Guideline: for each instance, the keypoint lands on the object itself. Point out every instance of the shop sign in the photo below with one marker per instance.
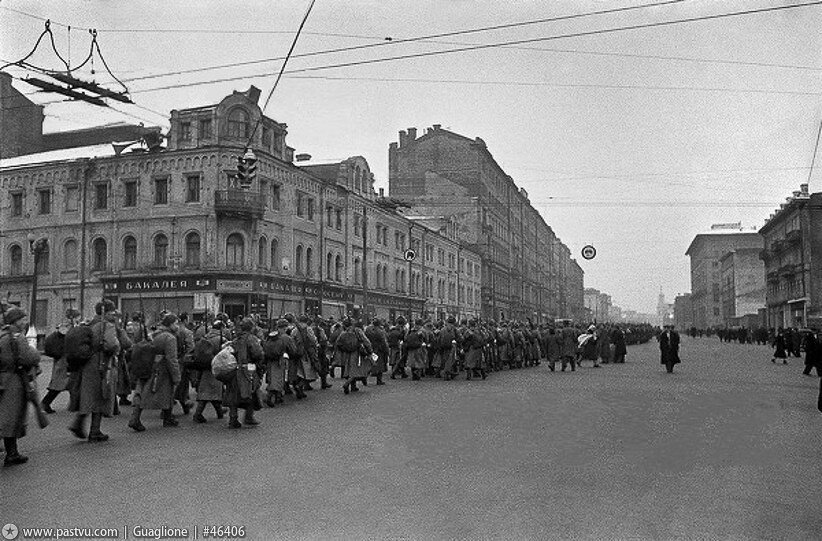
(234, 285)
(159, 283)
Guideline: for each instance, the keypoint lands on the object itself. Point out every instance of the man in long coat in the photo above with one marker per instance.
(568, 351)
(379, 344)
(18, 362)
(278, 349)
(158, 392)
(669, 348)
(241, 391)
(209, 388)
(94, 386)
(396, 336)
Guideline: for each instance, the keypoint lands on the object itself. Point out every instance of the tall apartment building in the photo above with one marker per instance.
(170, 228)
(792, 256)
(528, 271)
(742, 286)
(706, 252)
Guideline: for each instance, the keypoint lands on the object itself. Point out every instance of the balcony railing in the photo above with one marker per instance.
(794, 236)
(239, 204)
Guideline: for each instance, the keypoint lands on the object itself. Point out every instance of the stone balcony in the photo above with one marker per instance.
(235, 203)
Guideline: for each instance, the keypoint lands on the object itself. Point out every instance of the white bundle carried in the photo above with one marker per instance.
(224, 365)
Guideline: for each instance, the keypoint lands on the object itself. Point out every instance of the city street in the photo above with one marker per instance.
(725, 447)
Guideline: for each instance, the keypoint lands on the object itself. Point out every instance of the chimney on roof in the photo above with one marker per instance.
(797, 193)
(403, 138)
(412, 134)
(253, 94)
(437, 127)
(804, 189)
(382, 192)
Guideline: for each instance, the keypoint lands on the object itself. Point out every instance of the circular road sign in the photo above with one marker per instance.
(589, 252)
(410, 255)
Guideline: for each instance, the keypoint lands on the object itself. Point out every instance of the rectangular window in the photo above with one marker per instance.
(161, 191)
(72, 198)
(205, 128)
(17, 204)
(192, 188)
(44, 201)
(357, 225)
(299, 205)
(101, 196)
(130, 199)
(329, 216)
(310, 209)
(185, 131)
(339, 220)
(267, 138)
(397, 240)
(275, 197)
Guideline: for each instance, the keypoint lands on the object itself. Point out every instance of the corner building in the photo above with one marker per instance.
(170, 228)
(528, 271)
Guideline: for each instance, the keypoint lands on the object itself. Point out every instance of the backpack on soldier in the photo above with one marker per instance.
(78, 347)
(142, 360)
(413, 340)
(348, 342)
(54, 345)
(204, 352)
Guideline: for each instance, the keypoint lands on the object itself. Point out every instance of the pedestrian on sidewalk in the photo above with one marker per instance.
(779, 347)
(813, 354)
(669, 348)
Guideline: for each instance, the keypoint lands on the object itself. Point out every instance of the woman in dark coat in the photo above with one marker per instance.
(669, 348)
(18, 360)
(779, 347)
(241, 391)
(620, 350)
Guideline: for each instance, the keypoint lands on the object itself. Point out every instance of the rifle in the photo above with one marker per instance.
(29, 384)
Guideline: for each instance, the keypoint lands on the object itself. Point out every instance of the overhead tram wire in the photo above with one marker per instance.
(428, 37)
(492, 45)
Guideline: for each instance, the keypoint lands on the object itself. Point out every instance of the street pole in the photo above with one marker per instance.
(36, 247)
(88, 171)
(364, 263)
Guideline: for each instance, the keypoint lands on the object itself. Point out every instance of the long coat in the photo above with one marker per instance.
(551, 345)
(473, 342)
(13, 399)
(618, 338)
(94, 387)
(358, 364)
(157, 392)
(276, 366)
(59, 371)
(669, 348)
(207, 386)
(241, 391)
(417, 357)
(379, 344)
(569, 342)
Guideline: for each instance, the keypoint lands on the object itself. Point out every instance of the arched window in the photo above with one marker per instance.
(357, 271)
(298, 257)
(43, 261)
(99, 251)
(16, 260)
(338, 266)
(309, 261)
(235, 250)
(193, 249)
(275, 250)
(70, 255)
(262, 252)
(329, 270)
(129, 253)
(160, 251)
(238, 123)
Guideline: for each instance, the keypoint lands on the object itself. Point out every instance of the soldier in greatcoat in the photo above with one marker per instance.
(473, 343)
(415, 345)
(59, 382)
(569, 336)
(396, 337)
(357, 362)
(18, 363)
(277, 349)
(209, 388)
(94, 387)
(158, 391)
(379, 344)
(448, 346)
(241, 391)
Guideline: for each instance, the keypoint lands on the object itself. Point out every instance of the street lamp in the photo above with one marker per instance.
(36, 247)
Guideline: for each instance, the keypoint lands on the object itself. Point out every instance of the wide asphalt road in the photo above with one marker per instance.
(727, 447)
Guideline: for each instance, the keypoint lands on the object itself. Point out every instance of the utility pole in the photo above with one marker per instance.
(364, 263)
(88, 172)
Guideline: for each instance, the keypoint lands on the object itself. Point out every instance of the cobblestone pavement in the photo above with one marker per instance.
(725, 447)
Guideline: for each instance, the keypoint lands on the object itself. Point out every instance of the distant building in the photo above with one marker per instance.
(742, 286)
(598, 304)
(706, 250)
(683, 312)
(793, 261)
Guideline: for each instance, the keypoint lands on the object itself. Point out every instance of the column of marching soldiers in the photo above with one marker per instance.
(106, 363)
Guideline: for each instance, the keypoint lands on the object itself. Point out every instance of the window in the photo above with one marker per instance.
(205, 128)
(357, 270)
(160, 251)
(338, 268)
(193, 249)
(379, 276)
(185, 131)
(17, 204)
(234, 250)
(130, 199)
(310, 209)
(397, 244)
(101, 196)
(16, 260)
(298, 257)
(357, 225)
(70, 254)
(129, 253)
(161, 191)
(385, 276)
(99, 251)
(43, 261)
(329, 216)
(299, 205)
(262, 252)
(339, 220)
(72, 198)
(329, 272)
(267, 138)
(275, 196)
(192, 188)
(451, 261)
(238, 123)
(309, 261)
(275, 260)
(44, 201)
(397, 281)
(441, 256)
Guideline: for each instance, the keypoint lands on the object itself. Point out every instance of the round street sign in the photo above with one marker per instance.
(589, 252)
(410, 255)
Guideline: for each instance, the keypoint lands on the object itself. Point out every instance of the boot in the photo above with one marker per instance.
(299, 392)
(13, 456)
(379, 380)
(186, 405)
(346, 387)
(307, 385)
(94, 433)
(482, 373)
(77, 428)
(48, 399)
(354, 388)
(169, 420)
(198, 413)
(124, 401)
(218, 408)
(232, 418)
(287, 389)
(269, 399)
(324, 383)
(249, 418)
(134, 423)
(278, 397)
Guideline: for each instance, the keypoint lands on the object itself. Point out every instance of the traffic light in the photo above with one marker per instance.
(241, 171)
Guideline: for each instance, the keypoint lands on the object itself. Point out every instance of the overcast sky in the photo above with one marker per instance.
(633, 141)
